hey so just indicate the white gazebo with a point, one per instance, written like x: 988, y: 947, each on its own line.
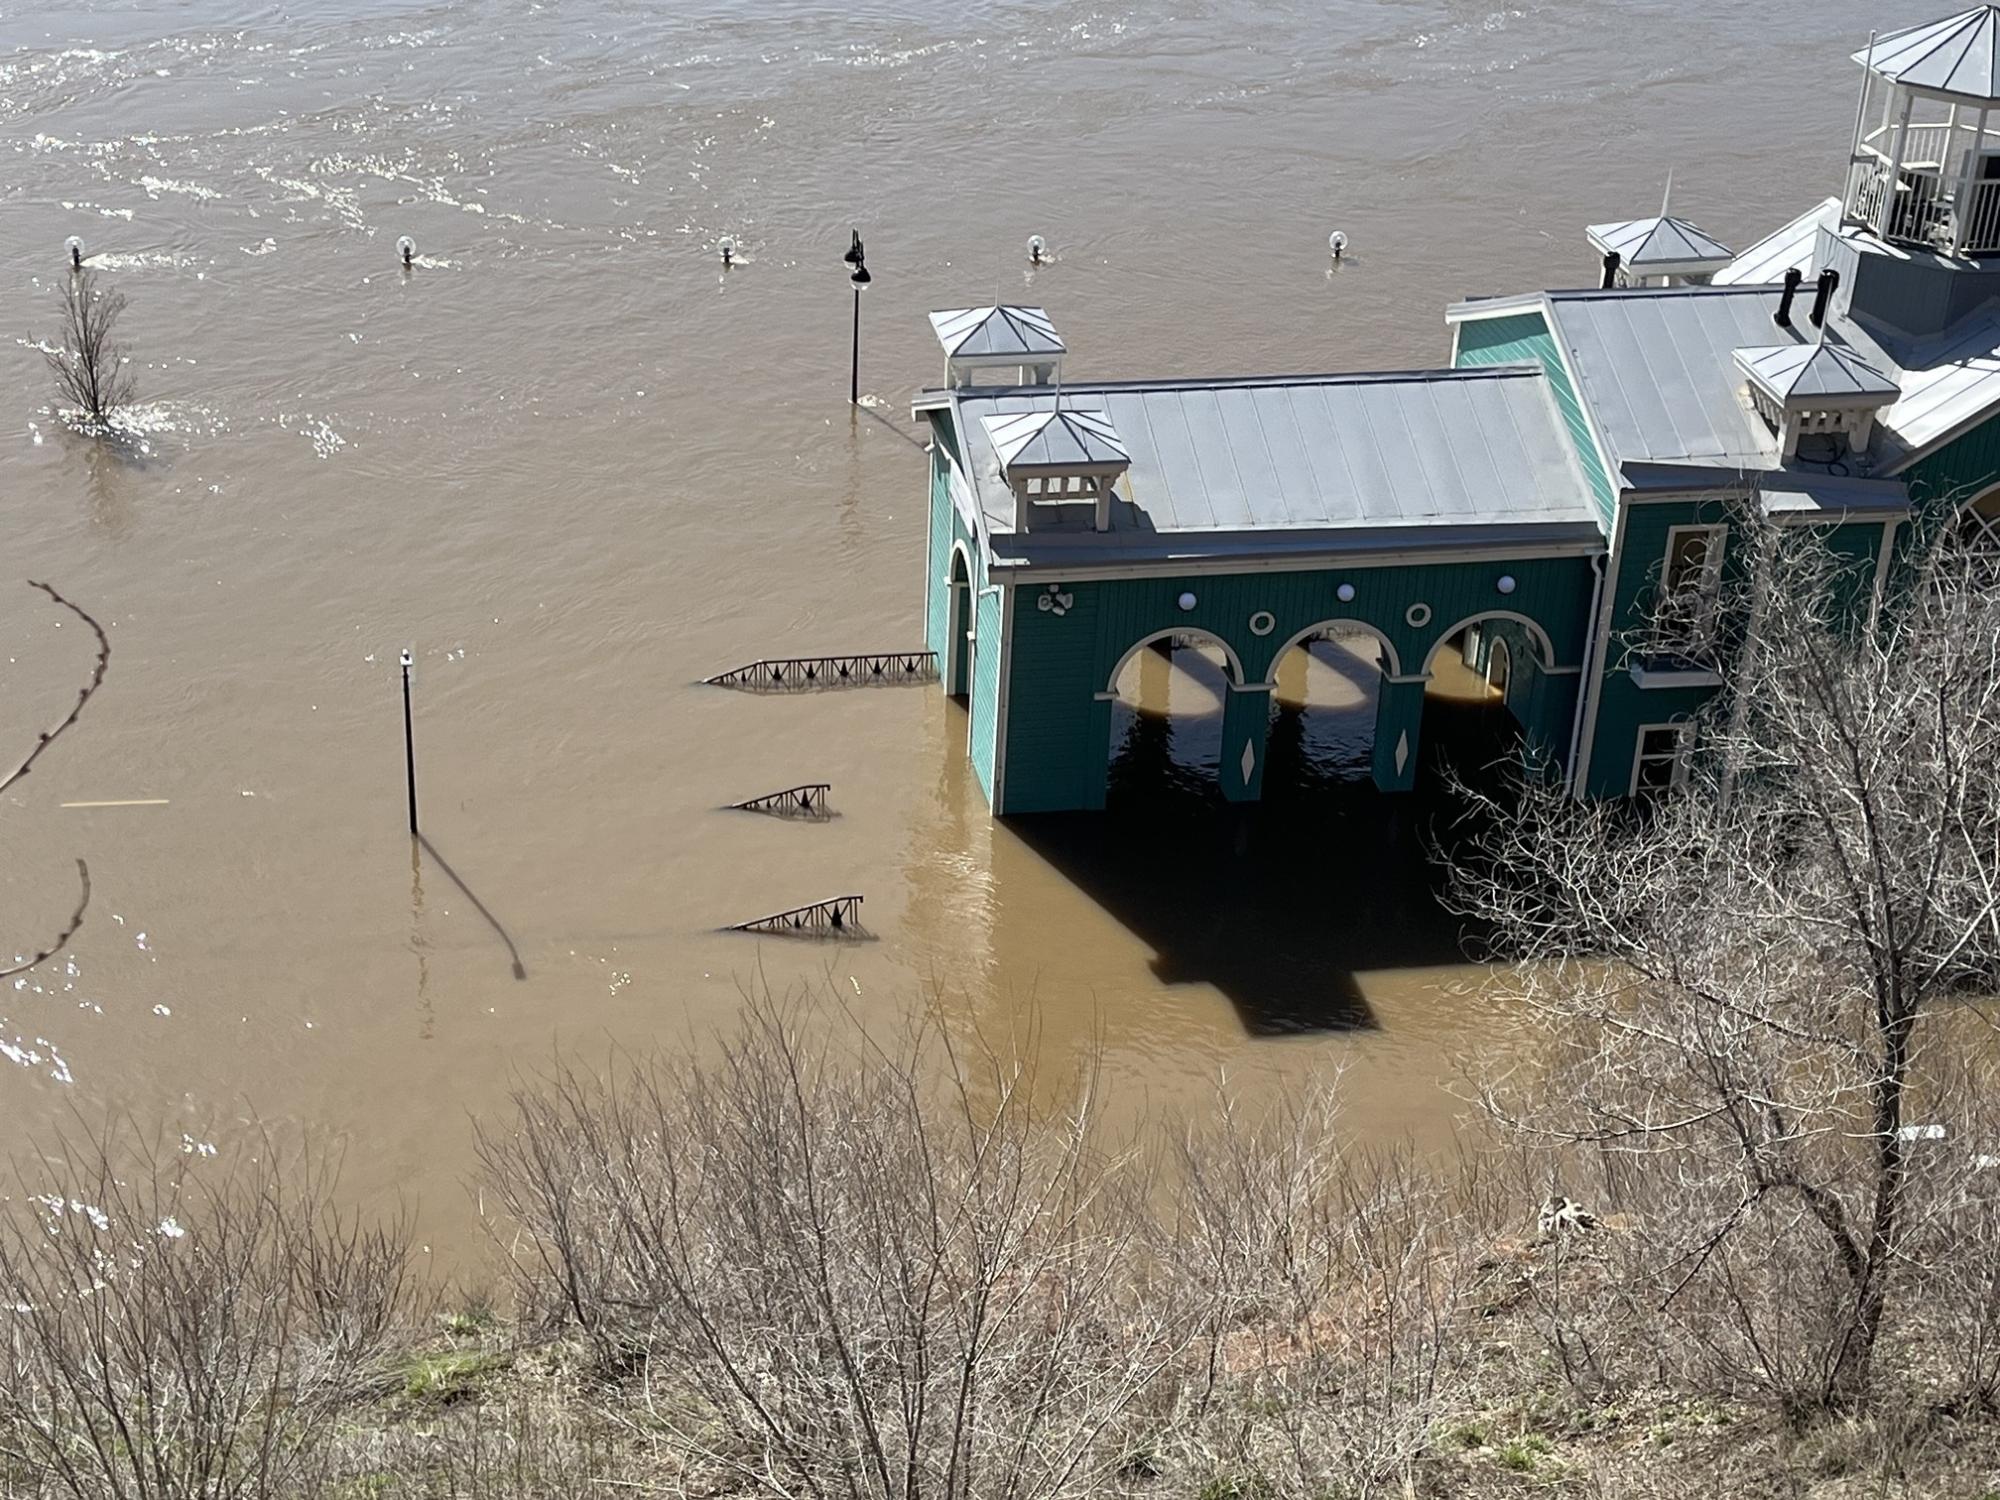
x: 1660, y: 251
x: 1017, y: 339
x: 1925, y: 169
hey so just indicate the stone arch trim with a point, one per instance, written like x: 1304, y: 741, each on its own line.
x: 1539, y: 637
x: 1236, y: 674
x: 1392, y: 661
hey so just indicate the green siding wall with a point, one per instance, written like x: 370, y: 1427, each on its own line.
x: 937, y: 594
x: 1058, y: 734
x: 1520, y: 339
x: 1623, y: 706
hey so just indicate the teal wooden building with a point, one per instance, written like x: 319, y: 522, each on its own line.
x: 1530, y: 508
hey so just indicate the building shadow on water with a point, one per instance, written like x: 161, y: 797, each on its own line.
x: 1283, y: 904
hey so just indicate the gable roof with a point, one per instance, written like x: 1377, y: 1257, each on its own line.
x: 1658, y: 242
x: 1958, y: 56
x: 996, y: 332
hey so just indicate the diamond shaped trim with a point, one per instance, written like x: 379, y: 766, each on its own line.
x: 1249, y: 761
x: 1402, y: 751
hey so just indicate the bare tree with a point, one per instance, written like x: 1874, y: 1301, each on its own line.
x: 1752, y: 982
x: 92, y: 373
x: 177, y: 1327
x: 42, y: 742
x: 841, y: 1270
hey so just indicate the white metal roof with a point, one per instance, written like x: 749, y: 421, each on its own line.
x: 1659, y: 244
x: 999, y: 333
x: 1958, y: 56
x: 1066, y: 439
x: 1817, y: 374
x: 1795, y: 246
x: 1294, y: 456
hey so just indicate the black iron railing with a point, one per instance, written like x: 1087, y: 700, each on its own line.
x: 797, y: 672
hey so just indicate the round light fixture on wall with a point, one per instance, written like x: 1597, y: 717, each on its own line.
x: 1506, y: 583
x: 1263, y: 622
x: 1417, y: 616
x: 1345, y: 593
x: 1186, y: 602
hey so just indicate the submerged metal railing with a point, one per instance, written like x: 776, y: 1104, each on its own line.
x: 837, y: 916
x: 807, y: 801
x: 797, y: 672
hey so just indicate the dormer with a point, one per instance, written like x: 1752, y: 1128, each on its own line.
x: 1064, y: 457
x: 1804, y: 390
x: 1660, y: 251
x: 1924, y: 168
x: 1020, y: 342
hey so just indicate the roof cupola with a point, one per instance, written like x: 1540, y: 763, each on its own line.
x: 1818, y: 388
x: 1067, y: 456
x: 1018, y: 340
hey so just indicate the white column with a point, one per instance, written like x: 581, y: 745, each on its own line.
x: 1968, y: 184
x: 1887, y: 216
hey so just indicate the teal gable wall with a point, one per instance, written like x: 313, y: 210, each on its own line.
x: 1623, y: 706
x: 1525, y: 337
x: 1058, y: 734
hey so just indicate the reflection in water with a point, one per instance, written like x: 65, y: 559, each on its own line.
x: 1281, y: 904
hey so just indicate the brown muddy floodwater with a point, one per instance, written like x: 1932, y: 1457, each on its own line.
x: 580, y: 468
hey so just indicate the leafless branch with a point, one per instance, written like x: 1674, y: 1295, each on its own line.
x: 47, y: 738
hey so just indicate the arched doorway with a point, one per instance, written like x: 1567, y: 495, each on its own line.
x: 1326, y: 690
x: 1169, y: 694
x: 956, y: 668
x: 1481, y: 692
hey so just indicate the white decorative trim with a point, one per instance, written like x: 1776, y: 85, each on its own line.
x: 1249, y: 687
x: 1208, y: 636
x: 1536, y: 635
x: 1000, y: 717
x: 1684, y: 728
x: 1390, y: 658
x: 1270, y: 623
x: 1248, y: 761
x: 1402, y: 750
x: 1112, y: 569
x: 1593, y: 686
x: 1675, y: 677
x: 1404, y: 681
x: 1417, y: 616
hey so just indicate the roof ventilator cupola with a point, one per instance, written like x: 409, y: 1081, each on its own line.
x: 1067, y: 457
x: 1019, y: 340
x: 1817, y: 388
x: 1660, y: 251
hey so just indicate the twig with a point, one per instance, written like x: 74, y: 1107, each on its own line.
x: 48, y: 737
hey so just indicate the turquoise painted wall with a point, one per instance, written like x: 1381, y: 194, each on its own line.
x: 1524, y: 338
x: 1058, y: 735
x: 1623, y: 706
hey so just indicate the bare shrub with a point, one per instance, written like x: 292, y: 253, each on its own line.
x: 1335, y: 1291
x: 178, y: 1327
x: 829, y: 1266
x: 91, y: 370
x: 1743, y: 982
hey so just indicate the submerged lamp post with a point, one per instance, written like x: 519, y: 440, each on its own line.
x: 73, y: 247
x: 406, y: 249
x: 858, y: 259
x: 409, y: 745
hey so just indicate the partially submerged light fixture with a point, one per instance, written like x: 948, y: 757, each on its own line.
x: 1337, y: 243
x: 406, y: 251
x: 1038, y: 249
x: 73, y: 246
x: 727, y: 245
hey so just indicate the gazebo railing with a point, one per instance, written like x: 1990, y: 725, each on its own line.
x: 1924, y: 206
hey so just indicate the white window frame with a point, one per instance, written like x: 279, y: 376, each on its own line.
x: 1683, y: 731
x: 1710, y: 588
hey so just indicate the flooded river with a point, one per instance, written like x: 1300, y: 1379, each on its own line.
x: 579, y: 467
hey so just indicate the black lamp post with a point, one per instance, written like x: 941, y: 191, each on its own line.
x: 409, y: 745
x: 858, y: 259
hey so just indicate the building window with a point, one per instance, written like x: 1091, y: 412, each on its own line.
x: 1690, y: 582
x: 1660, y: 762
